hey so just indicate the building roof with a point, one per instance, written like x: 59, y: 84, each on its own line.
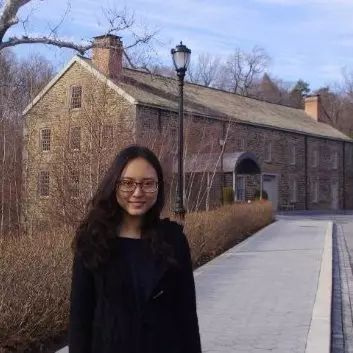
x: 157, y: 91
x: 160, y: 91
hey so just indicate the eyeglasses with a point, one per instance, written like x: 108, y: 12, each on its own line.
x: 147, y: 186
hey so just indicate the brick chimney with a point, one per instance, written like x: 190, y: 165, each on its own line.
x: 313, y: 107
x: 107, y: 55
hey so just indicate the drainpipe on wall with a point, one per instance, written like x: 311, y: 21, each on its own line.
x: 306, y: 170
x: 344, y: 174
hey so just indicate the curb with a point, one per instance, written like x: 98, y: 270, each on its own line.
x: 319, y: 336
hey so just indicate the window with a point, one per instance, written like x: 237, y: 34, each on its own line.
x: 43, y: 183
x: 335, y: 160
x: 74, y: 183
x: 294, y: 191
x: 76, y: 97
x: 268, y: 152
x: 315, y: 158
x: 241, y: 144
x: 45, y: 138
x: 75, y: 138
x: 315, y: 190
x: 240, y: 187
x: 293, y: 155
x: 107, y: 136
x: 349, y: 155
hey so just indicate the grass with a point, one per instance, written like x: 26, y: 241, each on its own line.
x: 35, y: 273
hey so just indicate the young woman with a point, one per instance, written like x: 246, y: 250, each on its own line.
x: 132, y: 287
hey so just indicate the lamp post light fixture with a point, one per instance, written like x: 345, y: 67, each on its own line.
x: 222, y: 145
x: 181, y: 59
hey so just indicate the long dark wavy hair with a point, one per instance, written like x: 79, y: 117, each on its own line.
x: 104, y: 216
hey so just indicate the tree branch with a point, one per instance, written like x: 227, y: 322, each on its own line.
x: 45, y: 40
x: 8, y: 16
x: 119, y: 21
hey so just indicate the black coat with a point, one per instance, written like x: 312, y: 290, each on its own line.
x: 104, y: 317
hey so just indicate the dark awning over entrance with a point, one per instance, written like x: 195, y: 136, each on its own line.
x: 238, y: 162
x: 247, y: 164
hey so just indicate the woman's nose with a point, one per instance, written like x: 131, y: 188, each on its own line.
x: 138, y: 191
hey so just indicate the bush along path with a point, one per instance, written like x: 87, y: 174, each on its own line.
x: 35, y: 273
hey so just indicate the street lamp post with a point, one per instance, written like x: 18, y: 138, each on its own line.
x: 221, y: 144
x: 181, y: 59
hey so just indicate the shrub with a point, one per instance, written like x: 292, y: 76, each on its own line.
x: 211, y: 233
x: 35, y: 273
x: 35, y: 277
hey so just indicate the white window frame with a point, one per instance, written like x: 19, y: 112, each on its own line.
x: 294, y: 191
x: 293, y: 155
x: 44, y: 141
x: 335, y: 160
x: 268, y: 151
x: 315, y: 160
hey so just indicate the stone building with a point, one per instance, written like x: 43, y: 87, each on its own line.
x: 94, y: 107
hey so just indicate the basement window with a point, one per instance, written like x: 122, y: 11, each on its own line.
x: 74, y: 183
x: 107, y: 136
x: 75, y: 138
x: 43, y: 184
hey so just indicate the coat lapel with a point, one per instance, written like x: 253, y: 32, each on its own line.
x: 159, y: 269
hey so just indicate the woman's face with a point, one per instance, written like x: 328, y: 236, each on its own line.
x: 137, y: 188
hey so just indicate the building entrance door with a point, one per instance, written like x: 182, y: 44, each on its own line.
x: 270, y: 185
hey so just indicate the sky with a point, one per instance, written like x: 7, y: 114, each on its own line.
x: 306, y: 39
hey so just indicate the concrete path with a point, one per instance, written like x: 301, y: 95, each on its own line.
x: 271, y: 293
x: 265, y: 295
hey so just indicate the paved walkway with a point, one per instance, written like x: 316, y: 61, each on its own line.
x: 265, y: 295
x: 260, y: 296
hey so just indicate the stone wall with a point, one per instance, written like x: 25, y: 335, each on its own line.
x: 158, y: 129
x: 101, y: 106
x: 202, y: 135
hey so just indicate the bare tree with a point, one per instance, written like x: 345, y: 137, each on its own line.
x: 162, y: 70
x: 347, y: 84
x: 242, y: 69
x: 205, y: 70
x: 20, y: 81
x: 35, y: 72
x: 118, y: 21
